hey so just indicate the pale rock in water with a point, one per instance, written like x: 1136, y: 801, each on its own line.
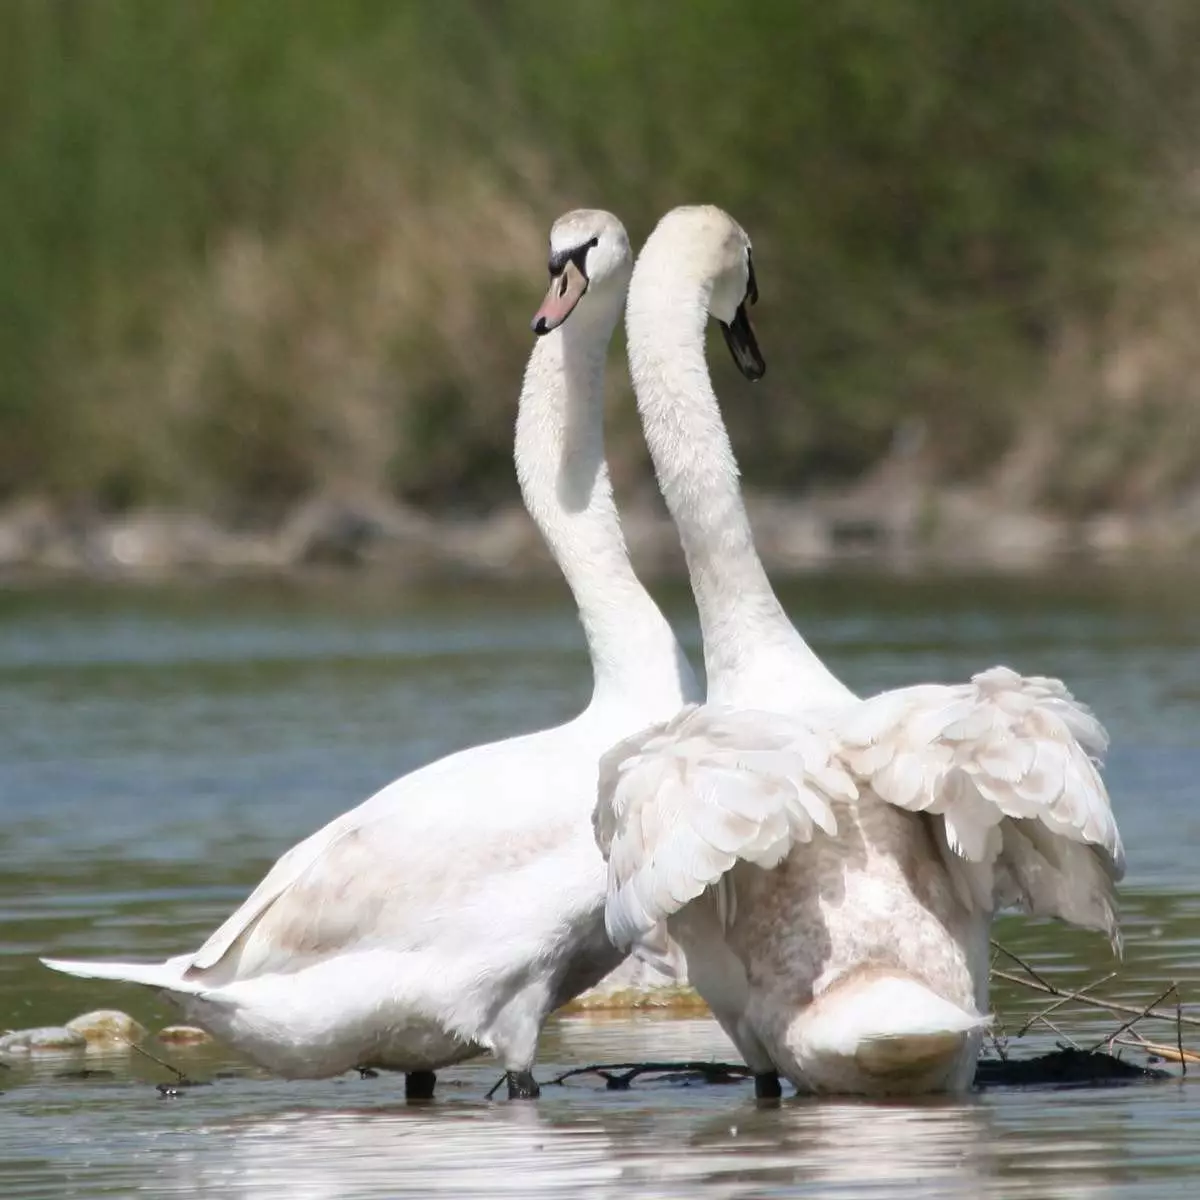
x: 638, y: 985
x: 108, y: 1027
x: 44, y: 1039
x: 184, y: 1035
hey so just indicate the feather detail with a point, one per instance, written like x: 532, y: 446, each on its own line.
x: 682, y: 803
x: 993, y: 758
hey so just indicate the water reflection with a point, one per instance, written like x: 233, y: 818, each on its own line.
x: 468, y: 1151
x: 617, y: 1148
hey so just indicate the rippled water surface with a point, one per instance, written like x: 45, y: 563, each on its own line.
x: 159, y: 749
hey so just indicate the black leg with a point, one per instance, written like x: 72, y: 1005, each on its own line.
x: 418, y: 1085
x: 522, y: 1086
x: 766, y: 1086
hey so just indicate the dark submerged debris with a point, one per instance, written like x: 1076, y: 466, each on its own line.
x: 1067, y: 1066
x: 180, y: 1087
x: 619, y: 1076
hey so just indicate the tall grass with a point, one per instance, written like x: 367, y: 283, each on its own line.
x: 250, y: 248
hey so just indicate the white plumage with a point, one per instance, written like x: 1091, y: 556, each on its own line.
x: 830, y: 866
x: 994, y: 759
x: 453, y: 911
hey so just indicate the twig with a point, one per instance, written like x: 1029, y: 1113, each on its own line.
x: 630, y: 1071
x: 1183, y: 1058
x: 1095, y: 1002
x: 1060, y: 1002
x: 999, y: 1037
x: 1020, y: 962
x: 179, y: 1075
x: 1062, y: 1033
x: 1134, y: 1020
x: 1167, y: 1053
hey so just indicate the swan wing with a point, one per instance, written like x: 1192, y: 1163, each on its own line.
x: 429, y: 855
x: 682, y: 802
x: 1010, y: 765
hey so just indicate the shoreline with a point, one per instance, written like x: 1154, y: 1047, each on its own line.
x: 948, y: 529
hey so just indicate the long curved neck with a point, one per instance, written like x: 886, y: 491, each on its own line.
x: 565, y: 484
x: 753, y: 655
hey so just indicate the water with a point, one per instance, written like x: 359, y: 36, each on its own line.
x: 159, y: 749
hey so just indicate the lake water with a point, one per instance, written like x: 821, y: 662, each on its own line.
x: 159, y: 749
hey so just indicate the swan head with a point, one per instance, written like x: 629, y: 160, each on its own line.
x: 589, y: 252
x: 703, y: 247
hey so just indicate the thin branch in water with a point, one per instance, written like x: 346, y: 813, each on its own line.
x: 1020, y: 962
x: 1095, y: 1002
x: 1135, y: 1019
x: 1063, y: 1000
x: 1183, y: 1058
x: 1166, y: 1053
x: 999, y: 1037
x: 630, y: 1071
x: 179, y: 1075
x: 1062, y: 1033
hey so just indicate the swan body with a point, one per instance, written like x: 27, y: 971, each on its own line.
x: 454, y: 910
x: 830, y: 866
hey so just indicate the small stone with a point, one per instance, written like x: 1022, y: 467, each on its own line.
x: 184, y: 1035
x: 108, y: 1026
x: 44, y: 1039
x: 637, y: 985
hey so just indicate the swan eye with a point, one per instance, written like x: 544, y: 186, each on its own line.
x: 578, y: 256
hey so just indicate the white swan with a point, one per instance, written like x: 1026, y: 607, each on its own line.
x: 454, y: 910
x: 829, y: 866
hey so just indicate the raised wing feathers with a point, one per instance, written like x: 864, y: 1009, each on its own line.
x: 999, y: 746
x: 682, y: 802
x: 1010, y: 765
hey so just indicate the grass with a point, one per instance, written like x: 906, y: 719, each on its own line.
x: 249, y: 250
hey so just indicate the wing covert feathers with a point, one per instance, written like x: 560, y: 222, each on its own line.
x: 682, y: 802
x: 1007, y: 762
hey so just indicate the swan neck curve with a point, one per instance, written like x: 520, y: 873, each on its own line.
x: 753, y: 655
x: 566, y: 488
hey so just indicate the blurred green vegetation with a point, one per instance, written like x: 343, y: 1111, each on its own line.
x: 250, y: 248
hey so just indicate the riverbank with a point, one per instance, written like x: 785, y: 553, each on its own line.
x: 881, y: 523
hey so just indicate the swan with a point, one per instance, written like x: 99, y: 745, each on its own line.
x: 830, y: 866
x: 454, y: 910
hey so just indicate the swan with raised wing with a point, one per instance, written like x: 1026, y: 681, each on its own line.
x: 830, y: 866
x: 453, y: 911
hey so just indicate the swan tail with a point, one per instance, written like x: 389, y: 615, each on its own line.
x: 167, y: 976
x: 890, y: 1032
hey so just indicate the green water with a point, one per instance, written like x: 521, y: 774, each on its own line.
x: 159, y: 749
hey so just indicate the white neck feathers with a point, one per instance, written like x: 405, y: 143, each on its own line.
x: 564, y: 481
x: 753, y: 655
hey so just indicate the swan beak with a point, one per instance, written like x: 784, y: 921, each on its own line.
x: 566, y: 289
x: 743, y: 345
